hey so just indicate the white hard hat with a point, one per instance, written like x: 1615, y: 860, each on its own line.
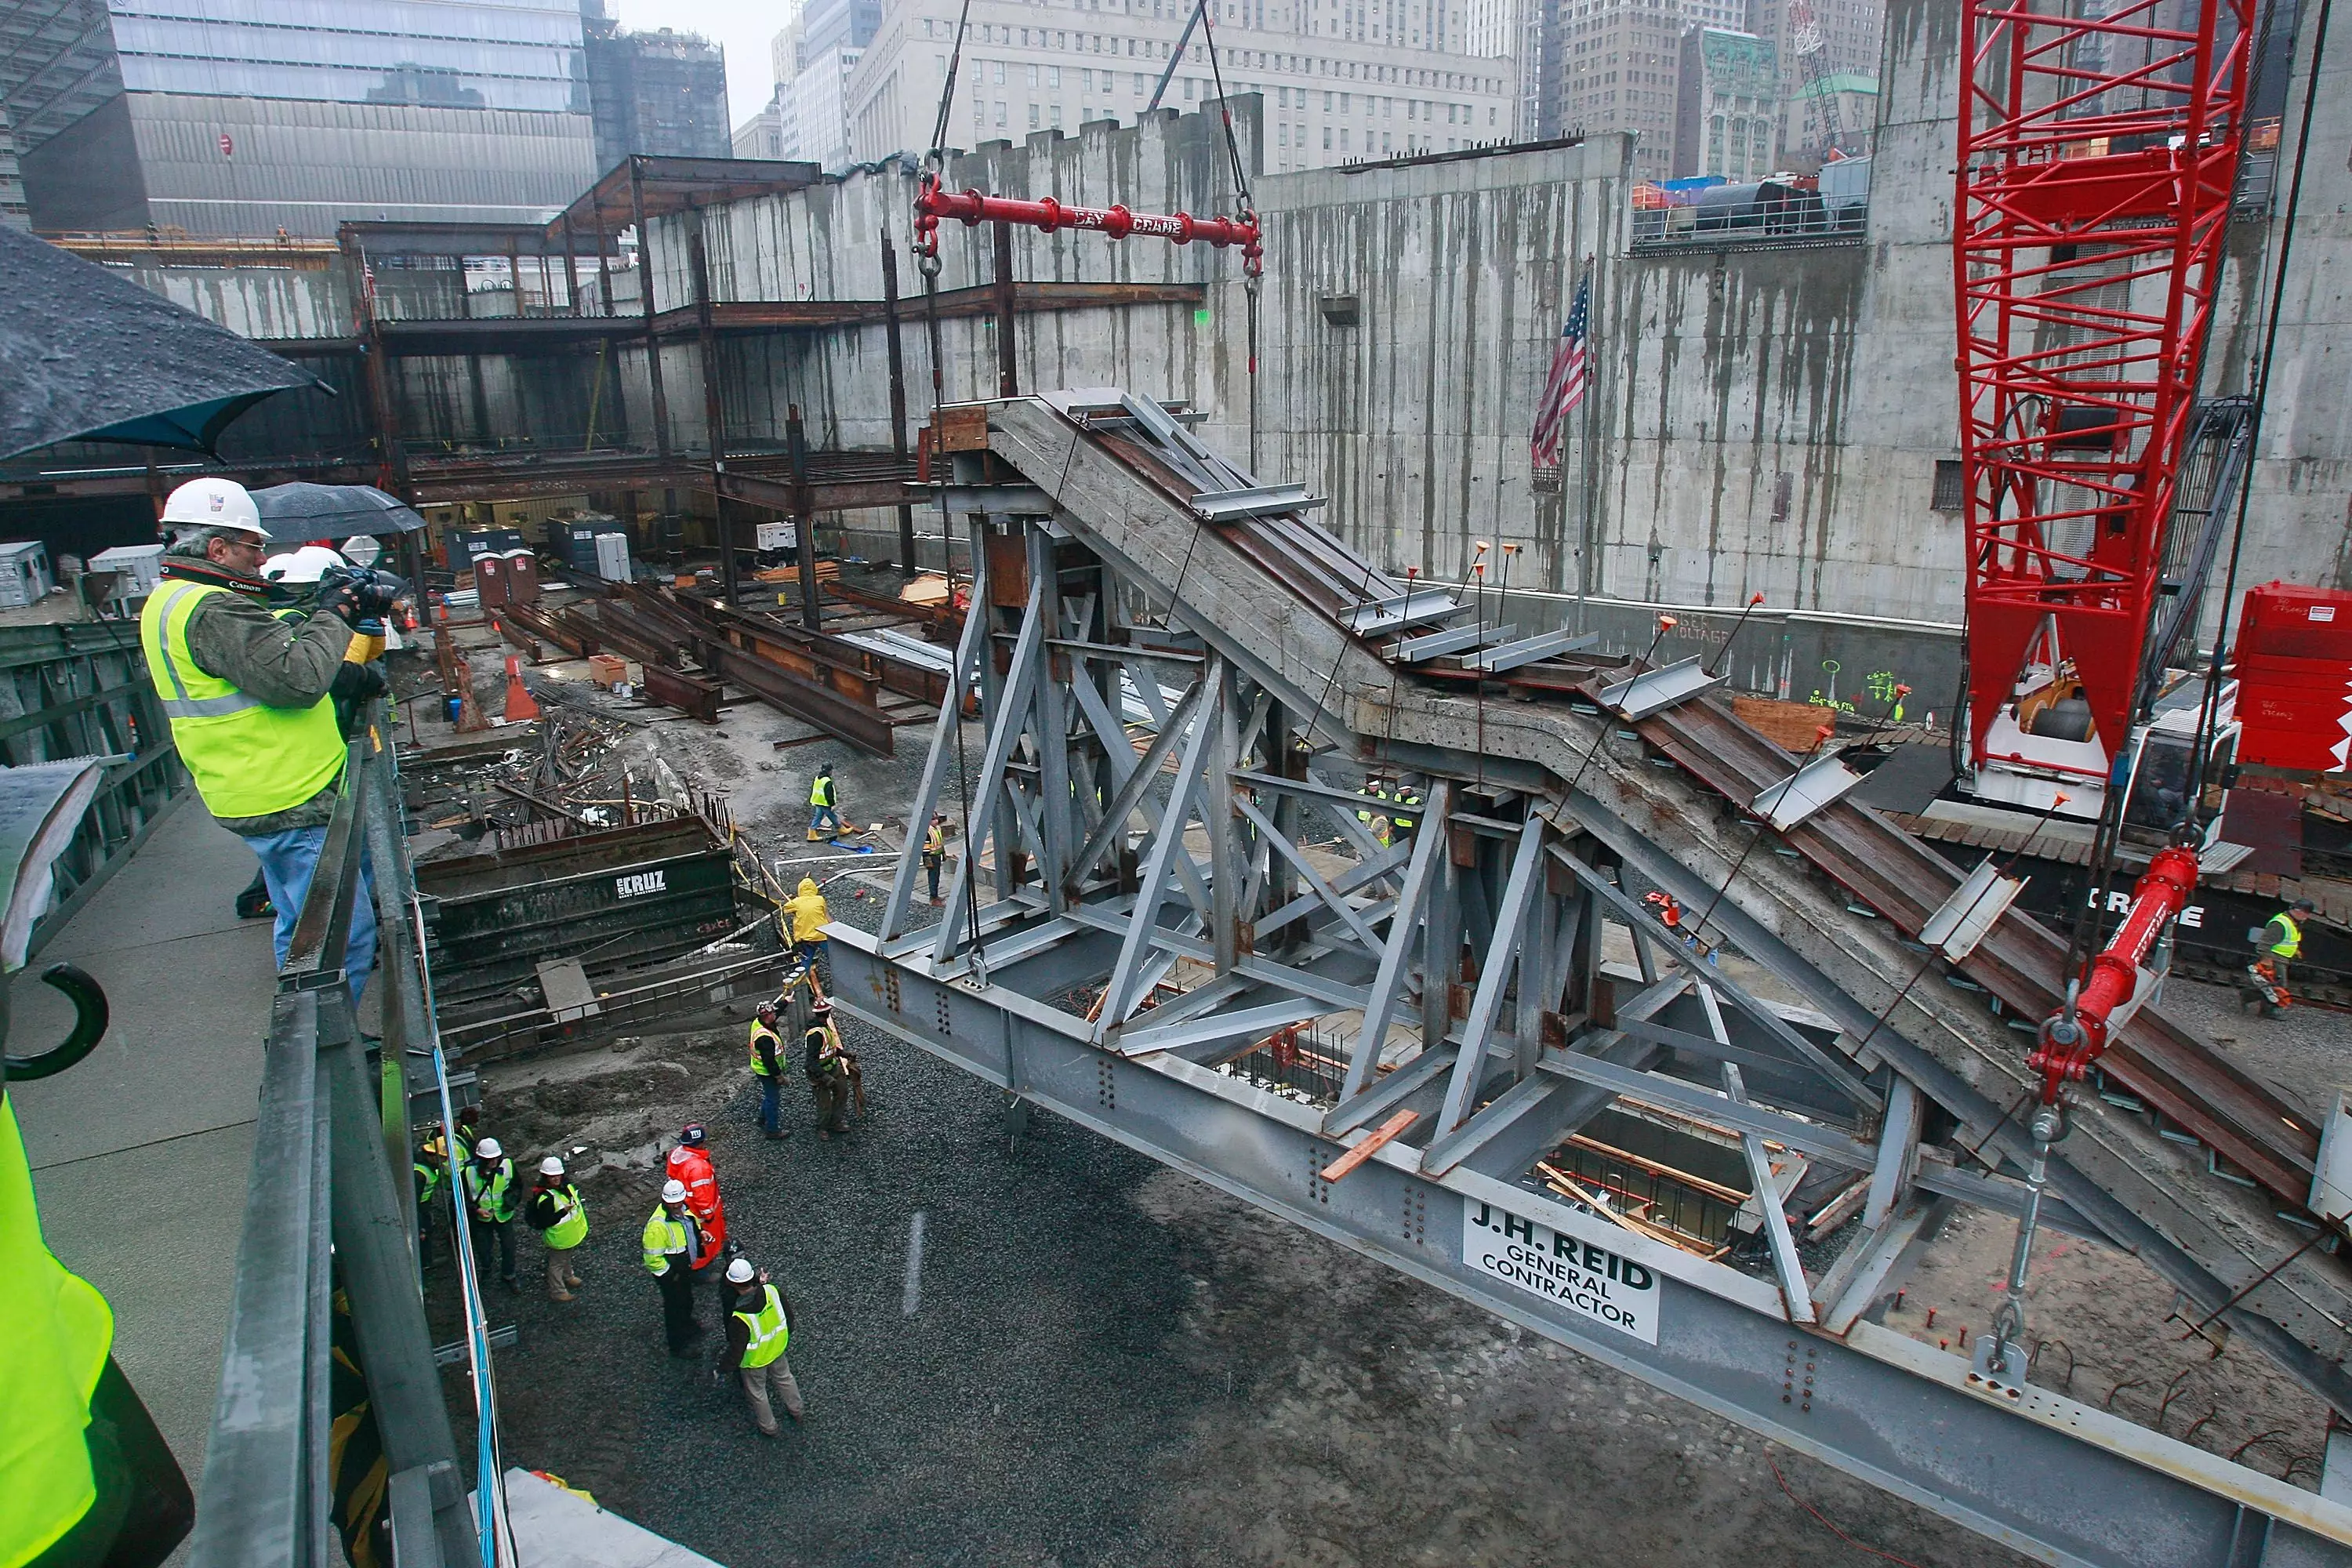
x: 215, y: 503
x: 489, y: 1148
x: 739, y: 1272
x: 673, y: 1192
x: 304, y: 565
x: 550, y: 1166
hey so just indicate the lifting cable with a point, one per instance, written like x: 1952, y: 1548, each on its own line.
x: 927, y: 262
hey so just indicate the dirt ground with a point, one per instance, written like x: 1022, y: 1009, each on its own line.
x: 1101, y: 1360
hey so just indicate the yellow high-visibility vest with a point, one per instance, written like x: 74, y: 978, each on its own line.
x: 663, y: 1238
x: 2292, y: 943
x: 767, y: 1333
x: 247, y: 758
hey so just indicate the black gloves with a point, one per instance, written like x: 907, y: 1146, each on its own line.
x: 358, y: 682
x: 341, y: 600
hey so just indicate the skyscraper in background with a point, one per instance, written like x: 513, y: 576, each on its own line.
x: 1617, y: 65
x: 661, y: 92
x: 1344, y: 81
x: 243, y: 119
x: 813, y: 59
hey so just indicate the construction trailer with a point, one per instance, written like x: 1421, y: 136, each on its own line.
x: 1411, y: 1046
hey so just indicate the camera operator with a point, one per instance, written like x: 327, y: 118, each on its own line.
x: 250, y: 696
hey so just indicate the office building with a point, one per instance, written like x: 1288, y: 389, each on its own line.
x: 1343, y: 82
x: 13, y: 210
x: 1845, y: 41
x: 763, y: 135
x: 813, y: 59
x: 295, y: 115
x: 1620, y: 68
x: 1728, y: 106
x: 659, y: 92
x: 1840, y: 109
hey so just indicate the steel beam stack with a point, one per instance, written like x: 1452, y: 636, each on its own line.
x: 1200, y: 704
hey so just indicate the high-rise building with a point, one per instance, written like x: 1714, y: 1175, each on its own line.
x: 1846, y: 37
x: 1843, y: 108
x: 813, y: 58
x: 763, y: 135
x: 661, y: 92
x: 1616, y: 65
x: 248, y: 118
x: 13, y: 210
x: 1728, y: 106
x: 1343, y: 81
x: 1621, y: 68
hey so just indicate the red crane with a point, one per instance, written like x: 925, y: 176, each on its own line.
x: 2097, y: 153
x: 2099, y: 146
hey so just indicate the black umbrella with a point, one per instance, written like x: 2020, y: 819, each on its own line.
x: 294, y: 513
x: 86, y: 355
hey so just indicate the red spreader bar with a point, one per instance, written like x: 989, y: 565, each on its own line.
x: 2072, y: 1039
x: 932, y: 203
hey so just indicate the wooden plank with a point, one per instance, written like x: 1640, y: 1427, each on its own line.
x: 1386, y: 1132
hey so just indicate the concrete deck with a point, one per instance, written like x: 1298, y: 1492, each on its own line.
x: 139, y: 1153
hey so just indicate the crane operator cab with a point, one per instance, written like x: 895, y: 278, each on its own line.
x: 2043, y: 745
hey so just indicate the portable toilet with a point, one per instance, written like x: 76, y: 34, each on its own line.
x: 23, y: 572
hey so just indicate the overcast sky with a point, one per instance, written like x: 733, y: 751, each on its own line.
x: 742, y: 27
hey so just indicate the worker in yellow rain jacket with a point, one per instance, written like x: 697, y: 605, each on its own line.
x: 808, y: 913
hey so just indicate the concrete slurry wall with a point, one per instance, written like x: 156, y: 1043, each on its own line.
x: 1760, y: 419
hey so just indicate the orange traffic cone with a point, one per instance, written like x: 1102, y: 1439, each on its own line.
x: 519, y: 705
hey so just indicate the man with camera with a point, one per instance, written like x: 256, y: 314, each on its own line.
x: 250, y: 695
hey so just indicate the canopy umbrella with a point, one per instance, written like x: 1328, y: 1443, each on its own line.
x: 87, y: 355
x: 297, y: 513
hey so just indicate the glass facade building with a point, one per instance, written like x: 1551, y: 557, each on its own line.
x: 250, y: 117
x: 453, y: 54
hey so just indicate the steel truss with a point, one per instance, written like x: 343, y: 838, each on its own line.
x: 1168, y: 868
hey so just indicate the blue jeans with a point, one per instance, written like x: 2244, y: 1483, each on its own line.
x: 287, y: 859
x: 768, y: 1107
x: 825, y: 819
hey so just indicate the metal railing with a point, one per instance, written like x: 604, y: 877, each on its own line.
x: 326, y: 1272
x: 1699, y: 215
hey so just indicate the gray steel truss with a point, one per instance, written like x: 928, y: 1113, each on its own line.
x: 1145, y: 914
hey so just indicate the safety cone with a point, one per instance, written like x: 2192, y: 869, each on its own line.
x: 519, y: 705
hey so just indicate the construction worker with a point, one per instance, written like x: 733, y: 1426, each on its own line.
x: 824, y: 816
x: 2278, y: 942
x: 490, y: 1207
x: 935, y: 852
x: 807, y: 908
x: 250, y: 696
x: 85, y: 1477
x: 768, y: 1066
x: 1406, y: 813
x: 831, y: 1069
x: 671, y: 1241
x: 560, y: 1214
x: 689, y: 1163
x: 428, y: 1167
x: 758, y: 1327
x: 1377, y: 820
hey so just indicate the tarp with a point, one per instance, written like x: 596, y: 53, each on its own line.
x: 295, y: 514
x: 86, y: 355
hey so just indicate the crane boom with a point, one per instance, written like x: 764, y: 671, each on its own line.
x: 2098, y: 147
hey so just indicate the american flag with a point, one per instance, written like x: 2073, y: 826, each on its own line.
x: 1564, y: 389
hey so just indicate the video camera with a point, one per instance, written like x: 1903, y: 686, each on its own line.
x: 374, y: 593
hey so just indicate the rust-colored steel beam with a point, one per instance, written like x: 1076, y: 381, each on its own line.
x: 676, y: 688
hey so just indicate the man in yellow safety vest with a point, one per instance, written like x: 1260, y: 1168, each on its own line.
x: 560, y: 1214
x: 758, y: 1327
x: 672, y: 1241
x: 824, y: 815
x: 2277, y: 944
x: 250, y: 697
x: 768, y: 1067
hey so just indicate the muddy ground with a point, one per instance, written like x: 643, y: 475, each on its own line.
x: 1105, y: 1361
